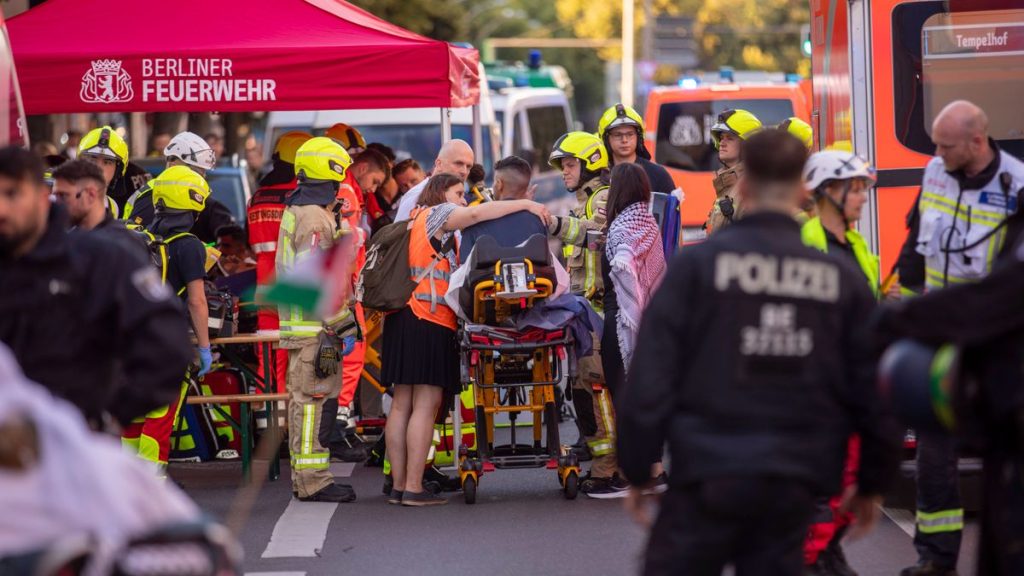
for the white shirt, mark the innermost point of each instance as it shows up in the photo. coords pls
(409, 200)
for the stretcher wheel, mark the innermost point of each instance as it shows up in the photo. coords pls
(572, 486)
(469, 490)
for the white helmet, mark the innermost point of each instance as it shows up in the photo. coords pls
(835, 165)
(192, 150)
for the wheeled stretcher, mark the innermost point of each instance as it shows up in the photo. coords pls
(513, 372)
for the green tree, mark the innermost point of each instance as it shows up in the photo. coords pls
(438, 19)
(753, 34)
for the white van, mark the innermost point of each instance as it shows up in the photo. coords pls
(411, 132)
(531, 120)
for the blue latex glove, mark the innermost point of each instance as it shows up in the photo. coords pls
(347, 344)
(205, 360)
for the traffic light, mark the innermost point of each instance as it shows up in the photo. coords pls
(805, 39)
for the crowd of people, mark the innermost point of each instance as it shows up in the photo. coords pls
(752, 356)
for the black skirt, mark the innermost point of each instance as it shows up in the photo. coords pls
(418, 351)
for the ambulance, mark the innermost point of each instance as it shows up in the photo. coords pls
(882, 70)
(678, 124)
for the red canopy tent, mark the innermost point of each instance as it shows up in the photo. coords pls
(230, 56)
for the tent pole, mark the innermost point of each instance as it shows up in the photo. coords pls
(446, 125)
(478, 135)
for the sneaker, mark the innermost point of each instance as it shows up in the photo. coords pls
(332, 493)
(605, 488)
(928, 569)
(422, 499)
(395, 497)
(659, 486)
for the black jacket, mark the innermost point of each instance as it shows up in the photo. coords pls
(91, 321)
(753, 360)
(660, 179)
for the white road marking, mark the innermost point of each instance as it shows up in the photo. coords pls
(342, 469)
(301, 530)
(903, 518)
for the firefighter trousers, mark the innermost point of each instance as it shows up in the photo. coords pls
(310, 460)
(595, 415)
(149, 437)
(757, 524)
(940, 515)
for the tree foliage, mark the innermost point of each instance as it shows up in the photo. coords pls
(438, 19)
(753, 34)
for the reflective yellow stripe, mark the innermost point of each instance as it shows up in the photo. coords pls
(308, 417)
(590, 266)
(317, 461)
(936, 279)
(573, 233)
(942, 521)
(976, 216)
(938, 199)
(600, 447)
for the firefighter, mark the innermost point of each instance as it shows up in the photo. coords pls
(105, 148)
(185, 149)
(736, 369)
(264, 222)
(839, 182)
(728, 133)
(179, 195)
(968, 192)
(314, 347)
(583, 161)
(76, 306)
(349, 138)
(621, 128)
(368, 171)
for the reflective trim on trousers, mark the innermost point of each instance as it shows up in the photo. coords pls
(316, 461)
(600, 447)
(941, 521)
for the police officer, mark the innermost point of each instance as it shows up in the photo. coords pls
(77, 305)
(728, 133)
(969, 190)
(621, 128)
(583, 161)
(185, 149)
(752, 363)
(314, 347)
(79, 186)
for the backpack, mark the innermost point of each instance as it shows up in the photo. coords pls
(157, 246)
(385, 283)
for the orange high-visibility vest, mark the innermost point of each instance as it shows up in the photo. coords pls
(431, 272)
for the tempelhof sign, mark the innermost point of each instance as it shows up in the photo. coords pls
(184, 80)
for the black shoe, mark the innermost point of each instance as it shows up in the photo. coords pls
(834, 557)
(424, 498)
(332, 493)
(928, 569)
(395, 497)
(343, 453)
(659, 486)
(605, 488)
(446, 482)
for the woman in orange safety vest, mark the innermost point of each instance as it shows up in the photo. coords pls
(421, 351)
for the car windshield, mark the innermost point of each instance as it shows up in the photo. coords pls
(684, 129)
(422, 141)
(227, 187)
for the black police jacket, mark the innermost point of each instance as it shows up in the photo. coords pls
(91, 321)
(753, 360)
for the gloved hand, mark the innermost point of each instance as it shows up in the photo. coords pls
(327, 358)
(205, 361)
(348, 343)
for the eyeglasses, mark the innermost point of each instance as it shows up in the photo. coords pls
(623, 135)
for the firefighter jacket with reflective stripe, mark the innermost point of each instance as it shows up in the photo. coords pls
(303, 230)
(961, 219)
(264, 223)
(726, 207)
(813, 235)
(754, 360)
(583, 264)
(431, 271)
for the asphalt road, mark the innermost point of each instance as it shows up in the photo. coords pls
(520, 525)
